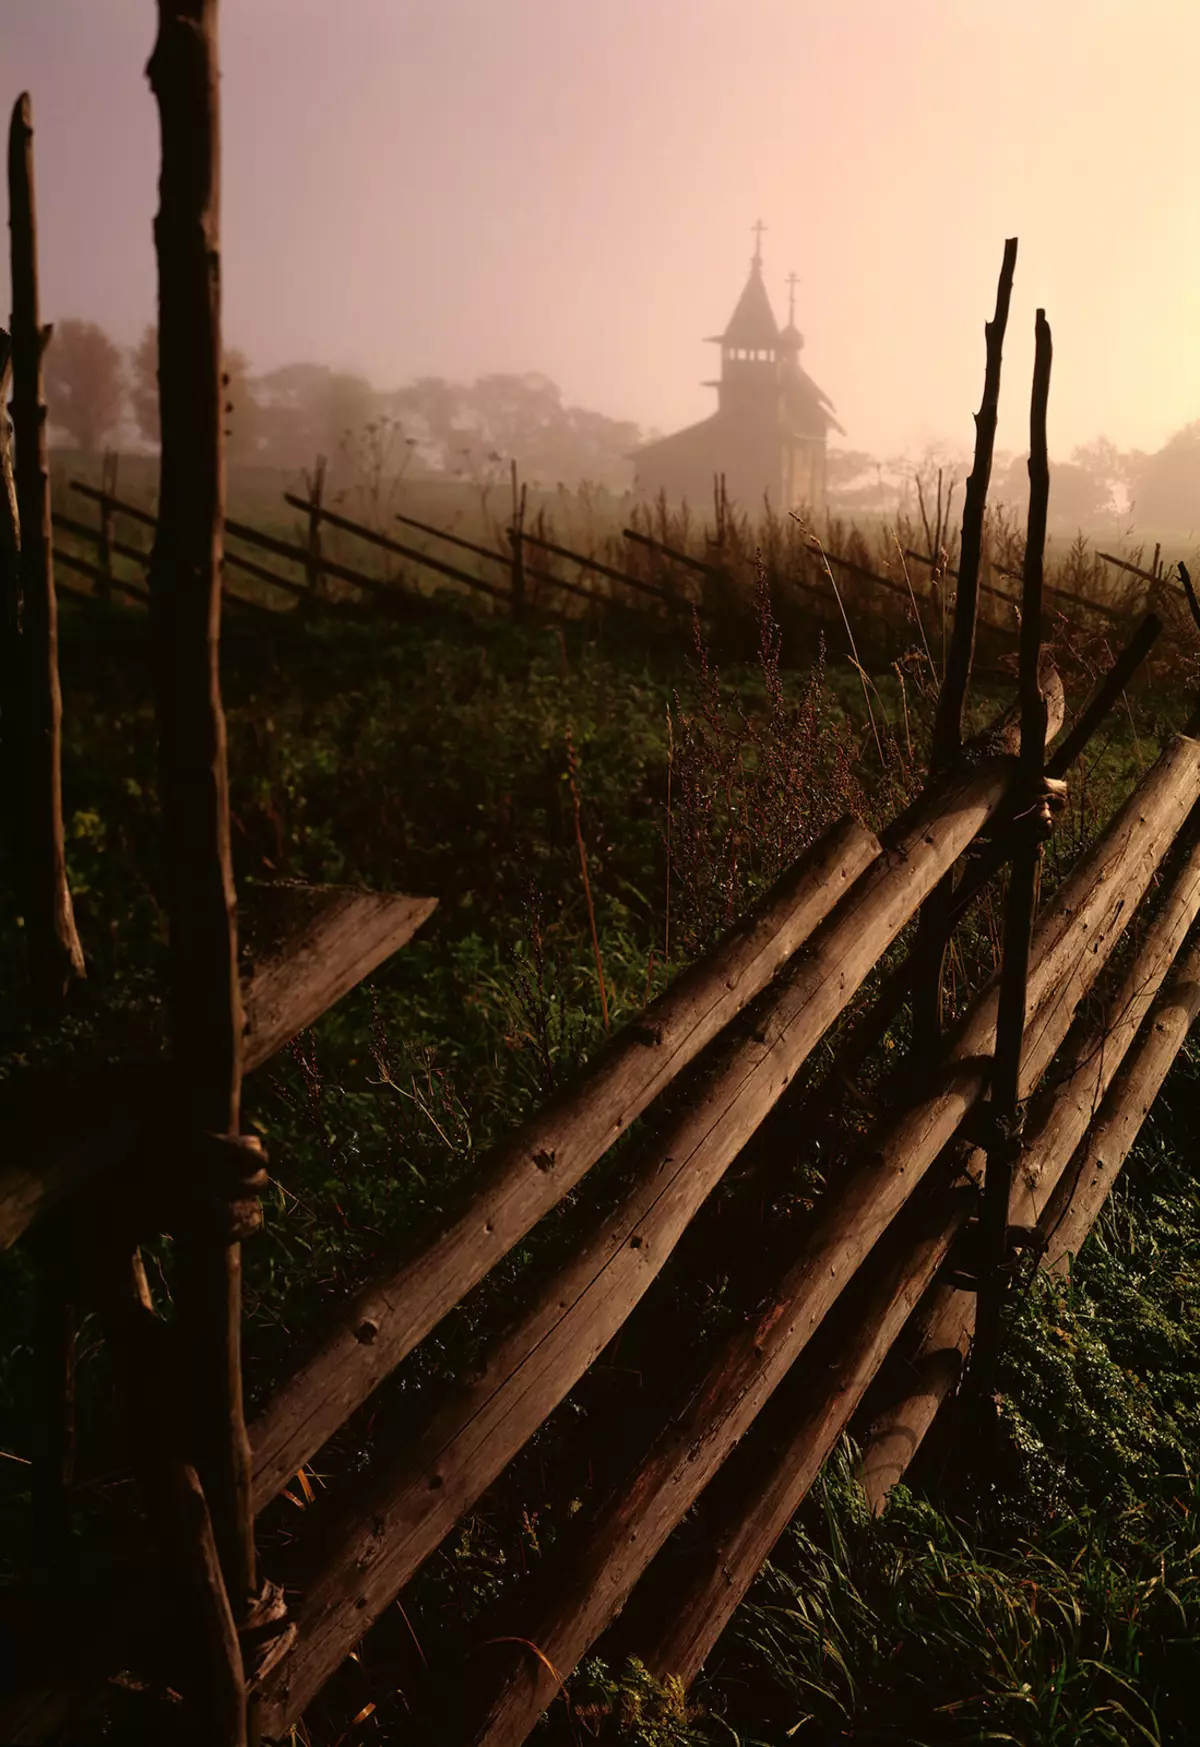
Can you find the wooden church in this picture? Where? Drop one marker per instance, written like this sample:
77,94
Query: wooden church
769,431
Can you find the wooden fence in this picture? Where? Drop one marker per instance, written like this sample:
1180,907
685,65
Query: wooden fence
903,1247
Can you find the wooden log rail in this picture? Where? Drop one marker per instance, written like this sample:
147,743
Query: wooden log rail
366,1546
530,1173
926,1371
689,1608
595,1578
109,503
1065,594
327,940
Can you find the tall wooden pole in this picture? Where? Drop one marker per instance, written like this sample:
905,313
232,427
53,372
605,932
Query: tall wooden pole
1004,1144
947,728
55,956
205,1001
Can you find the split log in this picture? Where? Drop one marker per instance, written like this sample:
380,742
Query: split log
930,1366
55,955
530,1173
367,1547
1085,1186
614,575
1071,944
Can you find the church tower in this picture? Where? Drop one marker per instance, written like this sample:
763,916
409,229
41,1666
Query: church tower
768,433
749,383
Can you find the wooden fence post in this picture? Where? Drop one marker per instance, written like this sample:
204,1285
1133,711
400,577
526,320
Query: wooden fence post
108,491
947,728
314,574
1004,1143
55,955
516,541
220,1174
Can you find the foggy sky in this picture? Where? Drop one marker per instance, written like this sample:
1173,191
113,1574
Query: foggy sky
448,187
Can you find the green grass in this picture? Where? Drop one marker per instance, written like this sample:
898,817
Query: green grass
432,758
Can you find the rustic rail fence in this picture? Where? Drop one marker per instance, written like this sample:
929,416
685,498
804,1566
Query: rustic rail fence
155,1146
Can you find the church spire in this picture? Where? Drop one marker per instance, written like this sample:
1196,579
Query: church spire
793,279
758,227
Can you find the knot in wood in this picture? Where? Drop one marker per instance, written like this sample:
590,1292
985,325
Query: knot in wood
230,1181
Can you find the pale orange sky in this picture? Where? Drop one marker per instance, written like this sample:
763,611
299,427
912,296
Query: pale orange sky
449,187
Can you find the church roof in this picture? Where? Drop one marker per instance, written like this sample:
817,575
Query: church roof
752,323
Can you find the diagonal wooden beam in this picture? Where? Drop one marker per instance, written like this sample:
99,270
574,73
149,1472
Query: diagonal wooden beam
314,944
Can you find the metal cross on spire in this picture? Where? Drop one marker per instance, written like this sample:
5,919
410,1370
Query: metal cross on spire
793,279
758,230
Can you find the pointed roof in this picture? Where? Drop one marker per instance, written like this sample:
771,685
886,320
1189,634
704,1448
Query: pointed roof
753,322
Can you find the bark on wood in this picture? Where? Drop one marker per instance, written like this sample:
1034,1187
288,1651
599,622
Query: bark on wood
530,1173
1072,941
1020,902
947,727
692,1604
55,955
1086,1184
185,589
930,1365
369,1547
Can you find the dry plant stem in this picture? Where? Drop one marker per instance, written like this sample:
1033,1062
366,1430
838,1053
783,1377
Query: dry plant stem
55,955
185,587
1073,939
929,1367
516,543
1021,900
573,773
531,1172
369,1547
694,1605
947,729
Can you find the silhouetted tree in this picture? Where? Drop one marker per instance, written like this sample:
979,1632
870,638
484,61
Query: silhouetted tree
85,385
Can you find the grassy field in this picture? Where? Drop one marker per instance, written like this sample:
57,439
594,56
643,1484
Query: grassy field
1056,1600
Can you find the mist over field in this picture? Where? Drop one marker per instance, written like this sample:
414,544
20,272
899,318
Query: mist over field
510,228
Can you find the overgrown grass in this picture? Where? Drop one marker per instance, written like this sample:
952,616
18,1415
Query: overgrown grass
433,757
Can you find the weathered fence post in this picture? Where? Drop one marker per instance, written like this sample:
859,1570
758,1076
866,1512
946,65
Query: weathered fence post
108,491
313,572
220,1172
1004,1144
517,543
947,727
55,955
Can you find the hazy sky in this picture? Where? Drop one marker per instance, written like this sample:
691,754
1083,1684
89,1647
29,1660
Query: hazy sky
455,186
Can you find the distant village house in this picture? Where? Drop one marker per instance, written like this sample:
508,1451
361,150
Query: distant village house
768,435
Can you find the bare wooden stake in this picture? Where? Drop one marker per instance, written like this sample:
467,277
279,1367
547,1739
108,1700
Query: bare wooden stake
516,534
947,728
1004,1146
108,487
55,955
205,997
313,571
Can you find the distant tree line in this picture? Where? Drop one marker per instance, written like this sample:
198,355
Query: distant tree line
100,395
1099,483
